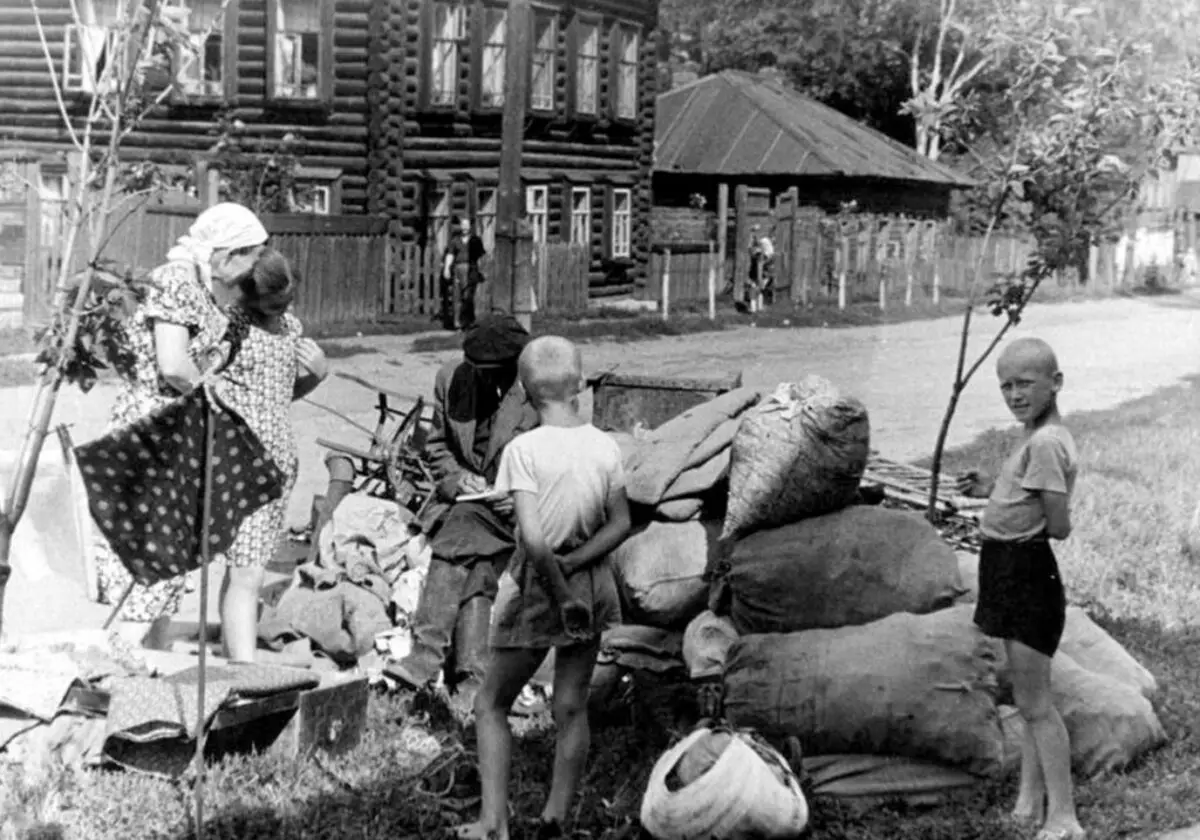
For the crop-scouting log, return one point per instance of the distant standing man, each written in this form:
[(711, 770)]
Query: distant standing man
[(762, 263), (461, 275)]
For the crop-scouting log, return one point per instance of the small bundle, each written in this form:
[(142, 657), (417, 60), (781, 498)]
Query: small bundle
[(799, 452), (722, 785)]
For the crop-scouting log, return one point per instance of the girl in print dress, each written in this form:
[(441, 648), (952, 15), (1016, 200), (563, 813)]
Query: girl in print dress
[(271, 366)]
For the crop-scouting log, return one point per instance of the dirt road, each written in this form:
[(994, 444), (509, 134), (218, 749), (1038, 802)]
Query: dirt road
[(1111, 351)]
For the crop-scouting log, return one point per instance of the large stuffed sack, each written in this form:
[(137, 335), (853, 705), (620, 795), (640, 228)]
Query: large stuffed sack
[(799, 452), (706, 644), (850, 567), (1109, 722), (660, 570), (721, 785), (1093, 649), (922, 687)]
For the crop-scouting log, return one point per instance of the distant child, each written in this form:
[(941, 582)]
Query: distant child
[(270, 366), (1021, 596), (568, 490)]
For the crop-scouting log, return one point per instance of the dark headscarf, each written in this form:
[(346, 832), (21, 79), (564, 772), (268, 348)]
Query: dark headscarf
[(495, 340)]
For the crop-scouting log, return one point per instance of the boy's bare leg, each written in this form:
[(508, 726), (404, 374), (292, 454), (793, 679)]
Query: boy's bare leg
[(1031, 792), (508, 671), (1030, 672), (572, 677)]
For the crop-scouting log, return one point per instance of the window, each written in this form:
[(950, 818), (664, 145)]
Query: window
[(200, 69), (485, 216), (581, 216), (536, 199), (491, 85), (629, 44), (297, 49), (89, 46), (449, 33), (622, 223), (545, 50), (438, 231), (313, 198), (587, 65)]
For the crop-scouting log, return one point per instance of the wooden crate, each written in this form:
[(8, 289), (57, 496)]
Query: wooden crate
[(622, 401)]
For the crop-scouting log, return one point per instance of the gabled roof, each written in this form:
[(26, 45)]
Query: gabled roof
[(735, 124)]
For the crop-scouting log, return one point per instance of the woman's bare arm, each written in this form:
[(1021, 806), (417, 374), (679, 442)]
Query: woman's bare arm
[(175, 363)]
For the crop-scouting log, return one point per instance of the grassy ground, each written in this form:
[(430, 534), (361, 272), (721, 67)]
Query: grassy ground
[(1140, 465)]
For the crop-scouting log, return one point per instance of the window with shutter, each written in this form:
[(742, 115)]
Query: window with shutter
[(495, 25), (536, 205), (622, 223), (545, 50), (581, 215), (449, 38), (89, 46), (298, 71), (587, 67), (485, 216), (627, 72), (200, 66)]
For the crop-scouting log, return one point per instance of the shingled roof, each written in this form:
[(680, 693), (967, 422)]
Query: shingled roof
[(735, 124)]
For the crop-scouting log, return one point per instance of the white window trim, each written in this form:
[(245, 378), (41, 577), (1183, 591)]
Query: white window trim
[(542, 98), (538, 216), (485, 216), (493, 56), (622, 224), (439, 216), (627, 73), (581, 219), (190, 64), (445, 55), (94, 42), (587, 85)]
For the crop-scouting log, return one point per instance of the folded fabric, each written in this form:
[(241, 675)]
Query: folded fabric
[(674, 446), (698, 479), (341, 620), (145, 485), (35, 682)]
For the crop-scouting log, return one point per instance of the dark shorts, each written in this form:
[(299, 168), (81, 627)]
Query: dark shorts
[(1021, 594)]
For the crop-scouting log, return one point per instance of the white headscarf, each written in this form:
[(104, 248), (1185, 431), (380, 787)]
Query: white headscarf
[(225, 226)]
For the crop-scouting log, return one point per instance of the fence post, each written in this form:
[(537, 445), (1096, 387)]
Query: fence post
[(843, 261), (712, 281), (666, 285)]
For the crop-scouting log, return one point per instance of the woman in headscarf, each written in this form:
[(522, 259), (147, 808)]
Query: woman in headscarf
[(174, 337)]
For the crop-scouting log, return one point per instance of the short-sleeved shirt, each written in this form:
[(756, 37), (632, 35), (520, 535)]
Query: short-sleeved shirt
[(574, 472), (1045, 462)]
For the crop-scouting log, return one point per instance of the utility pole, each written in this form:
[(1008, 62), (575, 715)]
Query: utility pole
[(511, 286)]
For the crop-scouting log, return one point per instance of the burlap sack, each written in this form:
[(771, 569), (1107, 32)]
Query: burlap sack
[(1092, 648), (660, 572), (799, 452), (918, 686), (851, 567)]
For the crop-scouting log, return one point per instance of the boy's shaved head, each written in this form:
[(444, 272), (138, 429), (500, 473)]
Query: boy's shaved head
[(551, 370), (1029, 351)]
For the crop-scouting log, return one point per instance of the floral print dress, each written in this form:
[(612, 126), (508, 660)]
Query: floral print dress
[(177, 295), (258, 384)]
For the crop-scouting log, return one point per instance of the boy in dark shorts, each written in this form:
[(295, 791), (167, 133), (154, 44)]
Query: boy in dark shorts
[(1021, 596), (568, 491)]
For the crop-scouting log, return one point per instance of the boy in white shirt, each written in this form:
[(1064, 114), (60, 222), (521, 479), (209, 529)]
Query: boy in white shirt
[(568, 489)]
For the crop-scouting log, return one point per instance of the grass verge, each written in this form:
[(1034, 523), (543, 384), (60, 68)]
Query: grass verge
[(1140, 465)]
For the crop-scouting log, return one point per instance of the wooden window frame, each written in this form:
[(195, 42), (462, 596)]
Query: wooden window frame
[(229, 61), (327, 179), (488, 234), (547, 103), (613, 251), (428, 100), (530, 190), (580, 23), (485, 100), (88, 83), (325, 68), (573, 215), (620, 33)]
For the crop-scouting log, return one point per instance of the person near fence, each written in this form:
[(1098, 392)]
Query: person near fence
[(1021, 595), (172, 338), (271, 365), (461, 276), (760, 289), (478, 409), (568, 489)]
